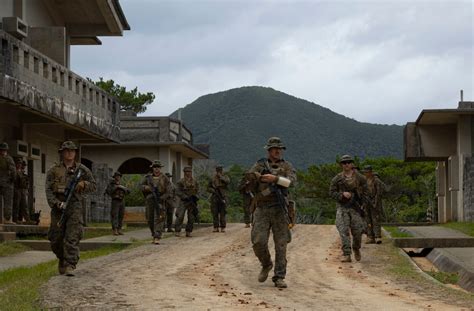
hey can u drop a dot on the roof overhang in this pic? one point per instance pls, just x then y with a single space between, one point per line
441 116
186 149
86 19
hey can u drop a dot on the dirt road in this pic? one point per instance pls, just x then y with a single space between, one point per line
216 271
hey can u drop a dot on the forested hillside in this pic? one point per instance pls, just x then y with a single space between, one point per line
236 123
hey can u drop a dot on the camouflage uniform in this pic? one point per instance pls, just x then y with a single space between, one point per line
156 214
374 211
186 190
246 199
348 219
170 205
217 187
117 192
269 215
65 239
20 197
7 178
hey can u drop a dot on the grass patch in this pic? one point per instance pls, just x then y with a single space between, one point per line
19 287
11 248
444 277
464 227
396 233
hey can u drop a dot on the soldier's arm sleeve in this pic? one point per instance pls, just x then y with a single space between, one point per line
334 191
291 174
110 189
50 196
225 179
12 169
379 189
144 184
91 185
210 187
180 190
166 190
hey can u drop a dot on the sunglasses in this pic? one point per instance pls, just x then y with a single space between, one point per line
346 162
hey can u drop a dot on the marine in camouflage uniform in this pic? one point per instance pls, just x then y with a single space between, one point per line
7 178
155 211
246 199
349 189
218 187
269 214
20 197
170 205
65 238
117 192
374 210
187 189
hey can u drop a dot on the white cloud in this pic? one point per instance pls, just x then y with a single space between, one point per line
379 62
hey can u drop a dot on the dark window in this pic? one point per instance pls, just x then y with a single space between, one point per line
43 163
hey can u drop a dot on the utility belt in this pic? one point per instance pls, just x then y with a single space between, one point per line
117 199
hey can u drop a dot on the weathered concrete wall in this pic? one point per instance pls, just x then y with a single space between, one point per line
98 203
33 80
468 187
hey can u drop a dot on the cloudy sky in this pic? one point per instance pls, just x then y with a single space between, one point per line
374 61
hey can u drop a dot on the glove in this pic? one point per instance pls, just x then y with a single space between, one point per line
81 186
147 188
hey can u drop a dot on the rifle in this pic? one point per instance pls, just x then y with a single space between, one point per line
217 192
69 192
277 190
156 195
356 200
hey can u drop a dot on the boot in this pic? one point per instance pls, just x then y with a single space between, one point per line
188 234
357 254
177 233
222 229
280 283
61 266
9 222
115 232
215 230
263 275
156 241
119 231
370 241
170 230
346 258
247 225
69 270
378 241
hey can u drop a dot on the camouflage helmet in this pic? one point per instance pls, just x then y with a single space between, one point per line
117 174
4 146
346 158
367 169
274 142
18 160
68 145
187 169
219 167
156 163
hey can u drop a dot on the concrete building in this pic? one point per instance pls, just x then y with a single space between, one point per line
42 102
447 137
142 140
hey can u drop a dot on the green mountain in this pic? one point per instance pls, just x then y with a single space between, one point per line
237 123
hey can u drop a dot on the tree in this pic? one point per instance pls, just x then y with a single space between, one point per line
129 100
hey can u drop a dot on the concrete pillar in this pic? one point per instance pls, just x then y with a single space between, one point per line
440 190
179 165
464 149
164 155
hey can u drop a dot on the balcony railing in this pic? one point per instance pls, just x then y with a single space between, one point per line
152 130
31 79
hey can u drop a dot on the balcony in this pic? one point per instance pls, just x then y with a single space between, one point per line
36 82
